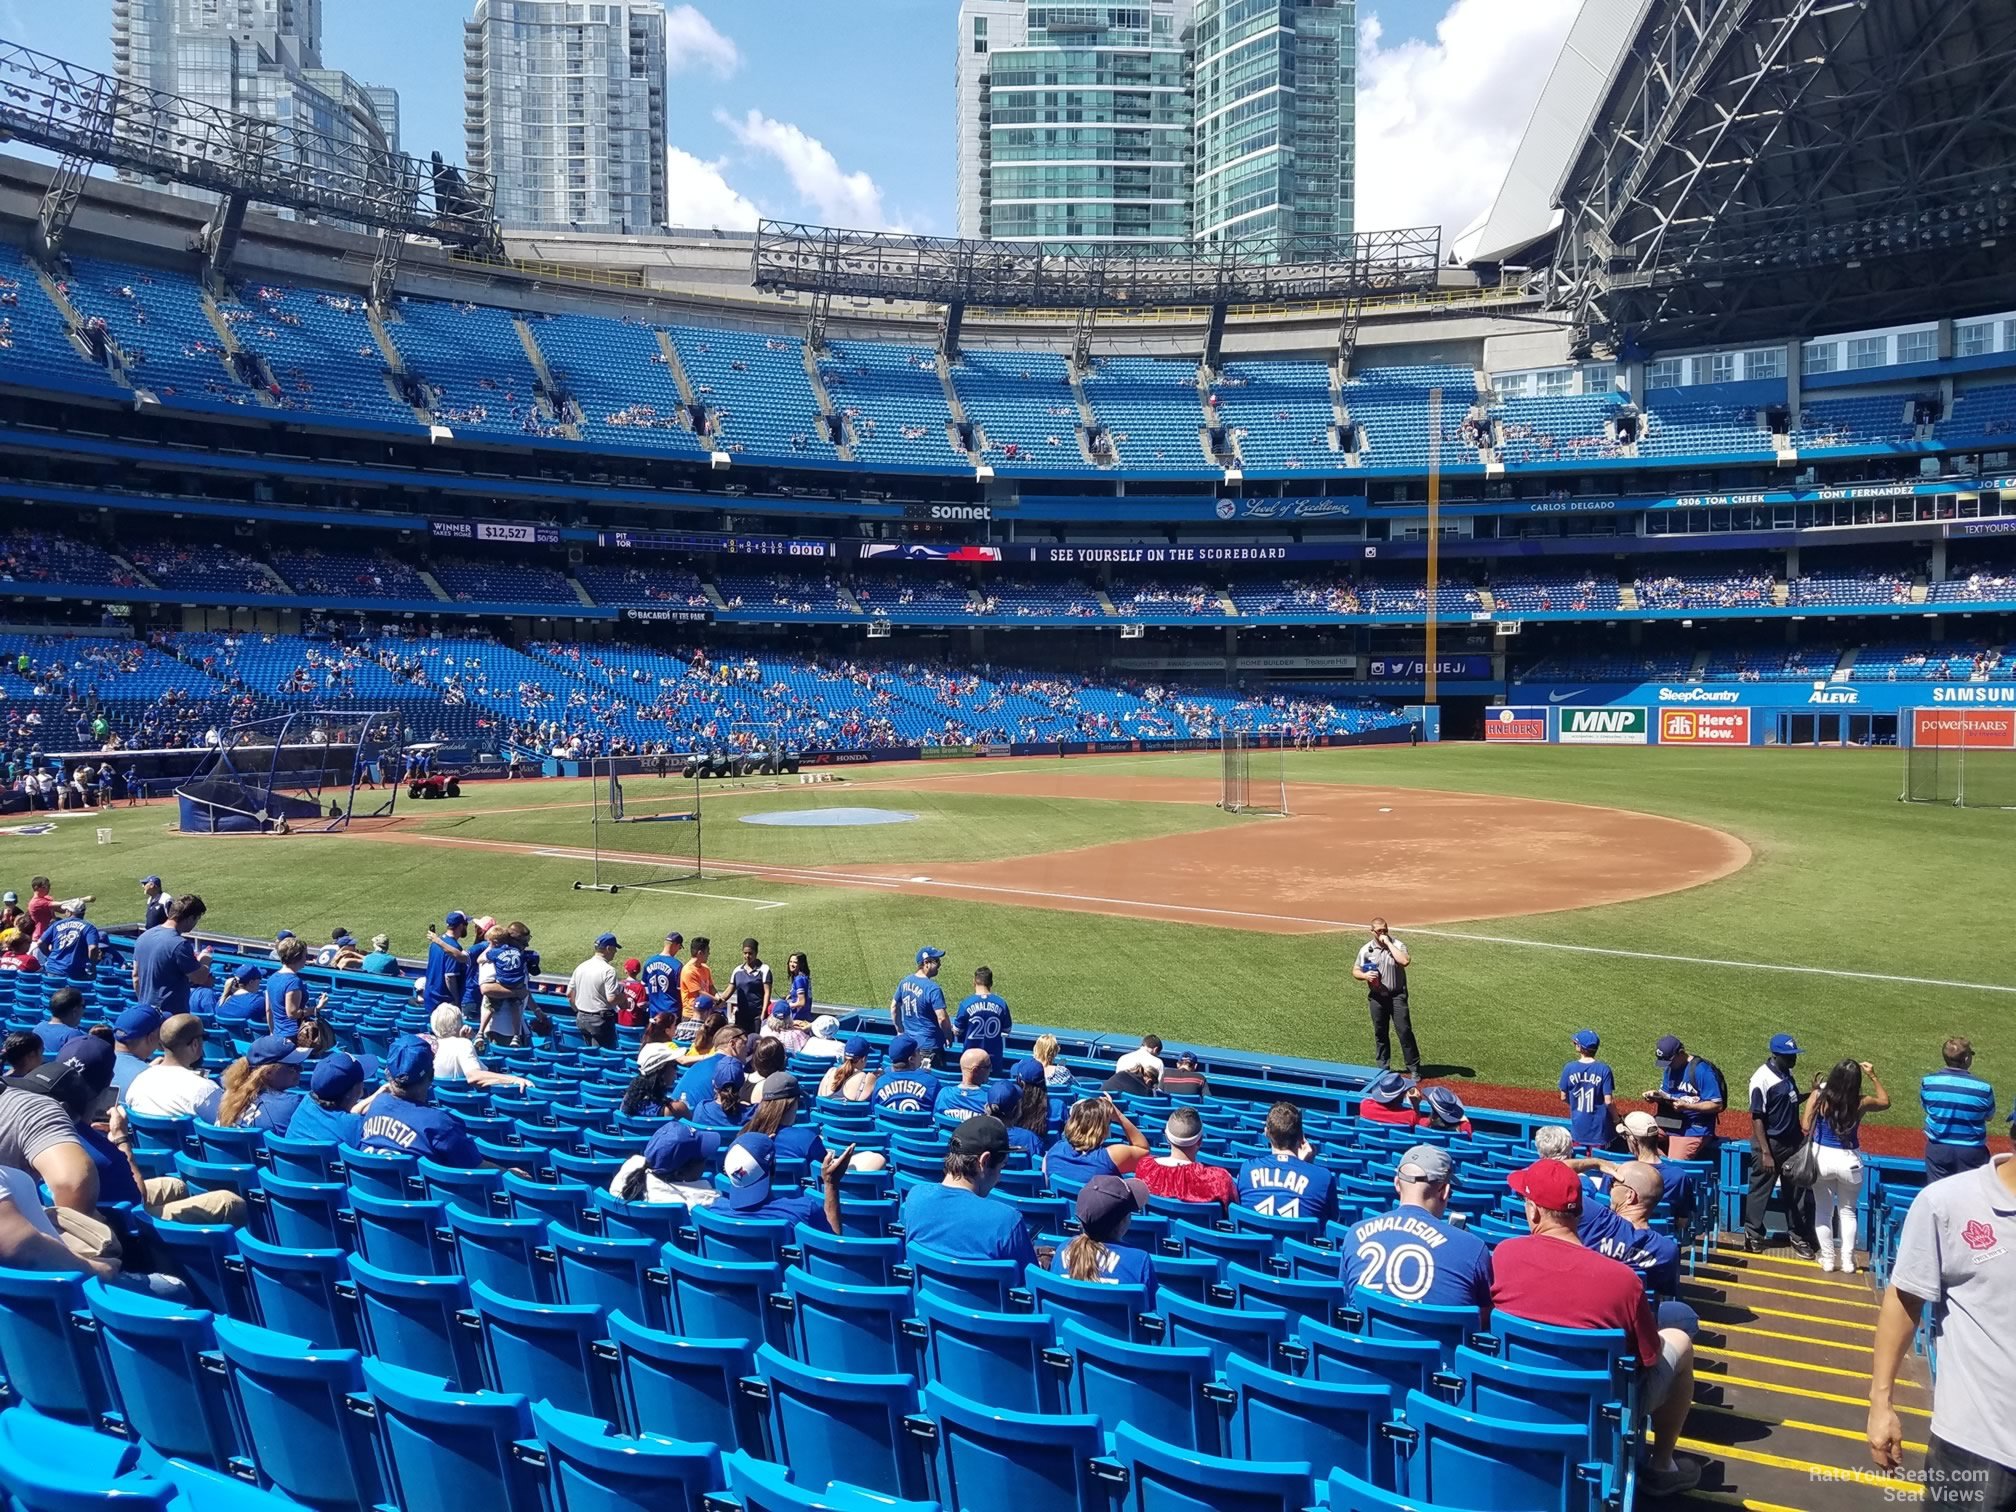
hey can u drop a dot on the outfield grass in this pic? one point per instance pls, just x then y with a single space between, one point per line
1844 877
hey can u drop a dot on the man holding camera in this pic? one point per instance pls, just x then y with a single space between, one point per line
1382 966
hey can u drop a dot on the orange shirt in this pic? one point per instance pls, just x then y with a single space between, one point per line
694 979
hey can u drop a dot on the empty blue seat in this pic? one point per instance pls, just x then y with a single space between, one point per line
292 1403
229 1146
848 1258
1317 1299
1254 1332
659 1222
401 1236
1467 1459
1165 1478
857 1330
1385 1317
49 1363
1324 1353
47 1465
590 1469
303 1214
1190 1276
1115 1311
555 1201
991 1459
607 1273
480 1189
1350 1493
151 1131
153 1351
829 1426
301 1159
1546 1344
1166 1390
723 1299
200 1490
1332 1426
297 1291
756 1241
983 1285
444 1450
763 1487
1198 1238
416 1323
996 1358
396 1178
198 1252
693 1385
503 1253
544 1351
1519 1393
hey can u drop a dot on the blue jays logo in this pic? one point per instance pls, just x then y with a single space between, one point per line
29 829
1227 508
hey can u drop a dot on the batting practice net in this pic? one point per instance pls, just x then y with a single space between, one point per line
294 773
1963 757
654 829
1253 781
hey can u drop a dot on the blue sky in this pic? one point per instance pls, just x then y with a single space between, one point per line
840 111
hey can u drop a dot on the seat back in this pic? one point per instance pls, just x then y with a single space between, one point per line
1494 1387
196 1252
850 1259
49 1363
478 1190
691 1384
1548 1345
1332 1426
606 1273
1190 1276
1164 1478
1385 1317
1115 1311
1317 1299
983 1285
590 1469
754 1241
153 1350
1490 1462
47 1465
857 1330
657 1221
1255 1332
761 1486
1160 1388
543 1351
415 1323
307 1160
295 1292
991 1459
1336 1354
396 1178
229 1146
996 1358
829 1426
1199 1238
440 1449
293 1406
723 1299
302 1214
502 1253
401 1236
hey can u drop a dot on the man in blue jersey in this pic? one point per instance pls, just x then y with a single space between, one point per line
1958 1106
983 1022
72 947
954 1217
1587 1085
661 976
402 1119
1622 1230
969 1098
327 1114
904 1085
1414 1254
918 1006
1690 1096
1285 1182
447 962
1775 1137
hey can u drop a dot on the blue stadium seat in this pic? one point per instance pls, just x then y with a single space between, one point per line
201 1490
416 1323
753 1241
297 1291
993 1459
1165 1389
1519 1393
1349 1493
229 1146
724 1299
982 1284
502 1253
996 1358
300 1159
479 1190
1332 1426
1116 1311
829 1426
659 1222
544 1351
694 1384
47 1465
1385 1317
1190 1276
857 1330
1546 1345
303 1214
1246 1287
1198 1238
154 1351
849 1258
607 1273
1324 1353
445 1450
50 1364
1492 1464
1256 1332
197 1253
401 1236
293 1408
1165 1478
590 1469
759 1486
395 1178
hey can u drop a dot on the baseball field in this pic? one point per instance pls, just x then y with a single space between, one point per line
1717 894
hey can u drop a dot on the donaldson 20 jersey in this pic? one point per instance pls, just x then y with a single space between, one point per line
1413 1256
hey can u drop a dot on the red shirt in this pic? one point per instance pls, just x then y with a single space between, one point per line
1555 1281
1188 1183
41 913
1403 1116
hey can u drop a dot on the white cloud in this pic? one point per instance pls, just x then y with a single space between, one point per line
697 195
1438 121
692 42
853 200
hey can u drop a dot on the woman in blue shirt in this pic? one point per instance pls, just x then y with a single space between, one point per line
1083 1153
1832 1119
798 996
728 1108
286 993
776 1114
1106 1207
259 1087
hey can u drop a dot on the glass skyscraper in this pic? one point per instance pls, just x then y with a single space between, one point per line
1158 121
1275 86
564 106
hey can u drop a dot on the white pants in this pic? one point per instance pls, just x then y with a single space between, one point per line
1835 1192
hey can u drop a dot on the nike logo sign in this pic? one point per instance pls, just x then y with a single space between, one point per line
1555 698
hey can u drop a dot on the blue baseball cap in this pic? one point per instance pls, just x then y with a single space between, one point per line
901 1049
150 881
272 1050
1587 1039
250 973
857 1048
930 953
674 1146
1388 1088
345 939
1667 1048
728 1072
1029 1072
455 916
607 941
703 1002
1784 1044
409 1056
673 937
1004 1099
285 934
337 1077
136 1024
93 1059
750 1163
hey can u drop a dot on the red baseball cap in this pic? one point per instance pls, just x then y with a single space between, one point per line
1550 1184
